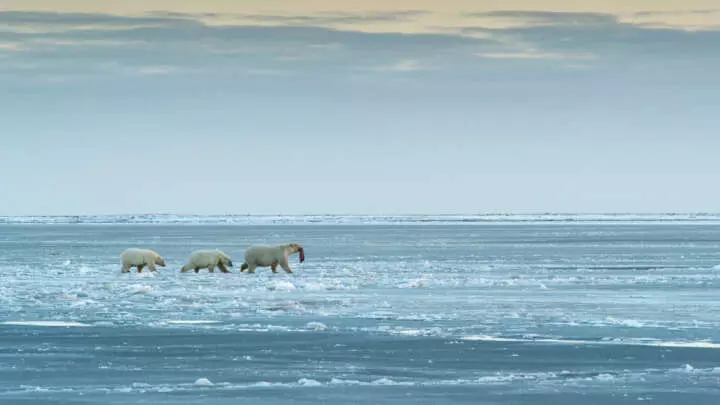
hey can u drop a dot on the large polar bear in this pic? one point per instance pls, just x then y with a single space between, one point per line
208 259
140 258
264 256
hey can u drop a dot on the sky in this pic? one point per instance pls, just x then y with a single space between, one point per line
373 107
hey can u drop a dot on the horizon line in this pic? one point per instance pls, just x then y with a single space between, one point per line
488 213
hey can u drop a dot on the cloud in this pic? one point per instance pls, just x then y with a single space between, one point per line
30 23
687 20
536 55
603 36
191 45
407 65
549 18
165 44
86 19
156 70
317 18
675 12
10 46
323 19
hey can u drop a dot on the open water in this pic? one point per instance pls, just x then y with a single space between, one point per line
498 312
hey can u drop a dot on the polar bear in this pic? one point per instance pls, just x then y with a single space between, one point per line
264 256
134 257
209 259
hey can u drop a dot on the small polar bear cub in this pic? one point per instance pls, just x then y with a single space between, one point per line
207 259
264 256
140 258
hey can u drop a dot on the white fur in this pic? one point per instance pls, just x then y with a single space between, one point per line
139 258
207 259
264 256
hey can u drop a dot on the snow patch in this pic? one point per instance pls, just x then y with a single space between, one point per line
308 382
316 326
44 323
203 382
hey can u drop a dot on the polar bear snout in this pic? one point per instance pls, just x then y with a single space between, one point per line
296 248
229 263
160 262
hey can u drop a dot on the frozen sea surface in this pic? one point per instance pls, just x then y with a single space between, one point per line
542 312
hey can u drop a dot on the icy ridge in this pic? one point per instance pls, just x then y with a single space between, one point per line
330 219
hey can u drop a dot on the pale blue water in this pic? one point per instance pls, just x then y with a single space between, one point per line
491 313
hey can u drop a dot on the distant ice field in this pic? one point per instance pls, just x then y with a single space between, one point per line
502 311
334 219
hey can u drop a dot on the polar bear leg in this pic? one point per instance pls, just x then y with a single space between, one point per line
125 268
211 268
152 267
223 268
273 266
140 267
284 264
197 269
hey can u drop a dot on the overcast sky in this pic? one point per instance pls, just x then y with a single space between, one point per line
394 106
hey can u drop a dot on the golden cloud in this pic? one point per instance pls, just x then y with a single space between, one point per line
400 16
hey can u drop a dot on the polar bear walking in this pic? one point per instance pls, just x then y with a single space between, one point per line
207 259
264 256
140 258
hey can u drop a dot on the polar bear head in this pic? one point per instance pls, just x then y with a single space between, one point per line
296 248
159 260
224 259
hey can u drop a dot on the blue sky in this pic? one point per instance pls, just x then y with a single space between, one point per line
333 109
